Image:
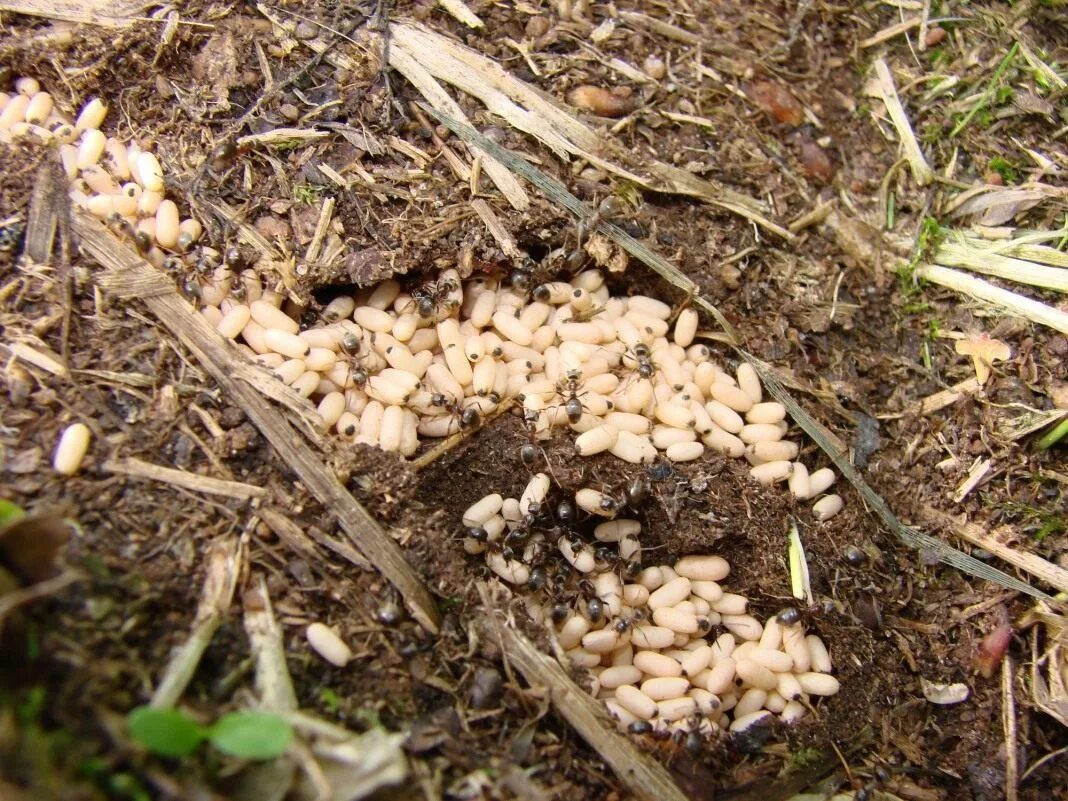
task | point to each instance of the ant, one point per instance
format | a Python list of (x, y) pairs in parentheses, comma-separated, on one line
[(568, 388), (625, 624), (432, 297), (628, 569), (643, 360), (607, 210), (226, 155), (350, 346), (468, 417)]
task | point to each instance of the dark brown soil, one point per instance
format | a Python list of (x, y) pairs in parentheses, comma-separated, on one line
[(851, 337)]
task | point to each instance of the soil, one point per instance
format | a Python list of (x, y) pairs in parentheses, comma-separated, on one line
[(859, 345)]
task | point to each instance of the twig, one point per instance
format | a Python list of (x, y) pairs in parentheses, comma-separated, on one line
[(180, 478), (224, 566), (315, 247), (292, 535), (12, 600), (265, 641), (462, 13), (452, 441), (39, 357), (889, 33), (127, 271), (947, 397), (978, 472), (499, 233), (1008, 725), (1015, 303)]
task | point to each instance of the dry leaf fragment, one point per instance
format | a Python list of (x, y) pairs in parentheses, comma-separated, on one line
[(984, 351), (776, 100)]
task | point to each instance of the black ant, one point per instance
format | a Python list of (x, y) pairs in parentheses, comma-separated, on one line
[(640, 359), (627, 569), (569, 387), (637, 491), (226, 155), (350, 345), (467, 416), (625, 624), (434, 296)]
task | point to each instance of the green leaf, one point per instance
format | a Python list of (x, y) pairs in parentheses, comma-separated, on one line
[(251, 734), (166, 732), (10, 512)]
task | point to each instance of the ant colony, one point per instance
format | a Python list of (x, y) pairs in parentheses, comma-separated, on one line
[(669, 650)]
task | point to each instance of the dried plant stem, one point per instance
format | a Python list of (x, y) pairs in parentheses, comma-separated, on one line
[(1014, 303), (921, 170), (224, 566), (180, 478), (986, 261)]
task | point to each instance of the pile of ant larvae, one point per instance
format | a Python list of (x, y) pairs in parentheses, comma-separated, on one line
[(120, 183), (389, 367), (673, 651), (647, 642)]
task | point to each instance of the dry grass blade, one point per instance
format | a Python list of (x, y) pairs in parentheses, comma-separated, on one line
[(644, 777), (915, 539), (48, 202), (224, 365)]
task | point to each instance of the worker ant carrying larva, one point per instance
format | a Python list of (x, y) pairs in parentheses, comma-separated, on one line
[(607, 210), (467, 417), (435, 300), (350, 346)]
